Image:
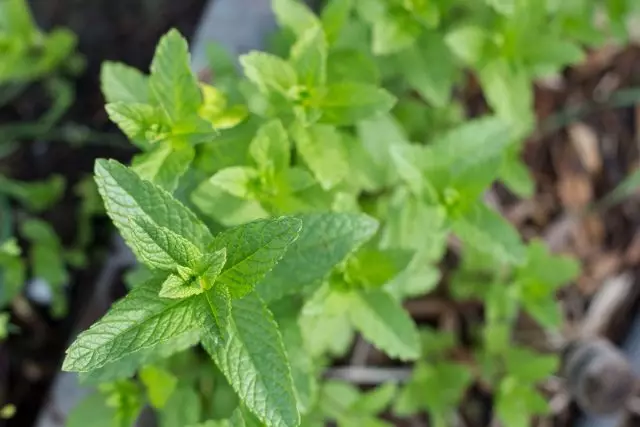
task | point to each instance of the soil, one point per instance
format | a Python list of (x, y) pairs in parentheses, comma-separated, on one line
[(119, 30)]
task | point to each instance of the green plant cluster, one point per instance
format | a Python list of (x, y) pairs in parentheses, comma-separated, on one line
[(281, 210), (30, 57)]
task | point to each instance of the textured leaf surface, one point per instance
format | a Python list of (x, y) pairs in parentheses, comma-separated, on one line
[(253, 250), (127, 366), (172, 83), (139, 321), (253, 360), (217, 310), (385, 324), (127, 196), (121, 83), (158, 247), (326, 239), (138, 121)]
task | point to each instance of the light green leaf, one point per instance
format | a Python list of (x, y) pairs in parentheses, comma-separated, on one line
[(159, 383), (547, 268), (253, 250), (269, 72), (321, 148), (254, 361), (347, 103), (177, 287), (487, 232), (226, 209), (383, 322), (127, 366), (165, 164), (13, 273), (302, 366), (394, 31), (516, 176), (518, 402), (424, 10), (140, 122), (182, 409), (295, 15), (128, 196), (508, 91), (173, 86), (375, 401), (428, 67), (270, 148), (239, 181), (140, 321), (217, 314), (528, 366), (16, 20), (335, 15), (352, 65), (92, 411), (469, 43), (159, 247), (327, 239), (309, 57), (36, 196), (121, 83)]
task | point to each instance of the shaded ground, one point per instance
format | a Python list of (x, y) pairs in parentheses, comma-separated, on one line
[(122, 30)]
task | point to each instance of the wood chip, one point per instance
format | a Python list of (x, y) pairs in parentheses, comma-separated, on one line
[(585, 142), (575, 191)]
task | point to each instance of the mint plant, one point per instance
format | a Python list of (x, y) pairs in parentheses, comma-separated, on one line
[(281, 210)]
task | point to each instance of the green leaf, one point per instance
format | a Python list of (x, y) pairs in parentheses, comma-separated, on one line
[(469, 43), (321, 148), (239, 181), (218, 302), (36, 196), (173, 86), (508, 91), (309, 57), (428, 67), (140, 122), (384, 323), (424, 10), (226, 209), (394, 31), (295, 15), (159, 247), (518, 402), (16, 20), (270, 148), (347, 103), (92, 411), (13, 273), (528, 366), (516, 176), (335, 15), (302, 366), (164, 164), (269, 72), (549, 269), (253, 250), (489, 233), (327, 239), (121, 83), (351, 65), (159, 383), (375, 401), (182, 409), (127, 196), (254, 361), (127, 366), (141, 320)]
